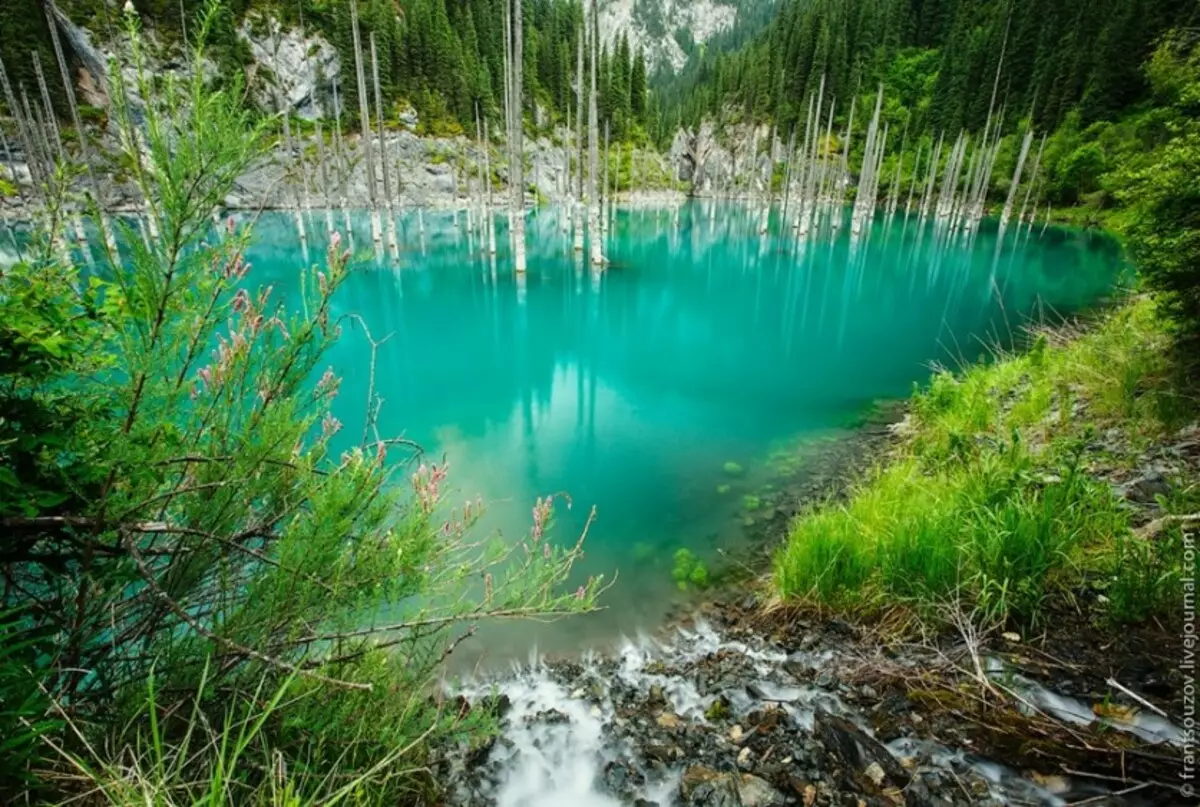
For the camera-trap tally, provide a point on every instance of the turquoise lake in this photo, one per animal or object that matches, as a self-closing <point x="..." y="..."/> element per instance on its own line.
<point x="703" y="343"/>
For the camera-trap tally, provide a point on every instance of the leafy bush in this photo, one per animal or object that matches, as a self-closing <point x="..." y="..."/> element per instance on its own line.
<point x="1165" y="231"/>
<point x="173" y="505"/>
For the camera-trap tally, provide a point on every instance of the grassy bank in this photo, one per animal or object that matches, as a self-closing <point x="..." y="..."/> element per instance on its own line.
<point x="1002" y="494"/>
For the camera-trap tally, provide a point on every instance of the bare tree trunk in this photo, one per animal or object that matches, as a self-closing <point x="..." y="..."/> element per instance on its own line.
<point x="577" y="208"/>
<point x="324" y="174"/>
<point x="8" y="158"/>
<point x="1016" y="180"/>
<point x="287" y="142"/>
<point x="48" y="106"/>
<point x="383" y="159"/>
<point x="605" y="199"/>
<point x="516" y="139"/>
<point x="340" y="160"/>
<point x="487" y="195"/>
<point x="84" y="151"/>
<point x="597" y="253"/>
<point x="364" y="112"/>
<point x="24" y="126"/>
<point x="1037" y="161"/>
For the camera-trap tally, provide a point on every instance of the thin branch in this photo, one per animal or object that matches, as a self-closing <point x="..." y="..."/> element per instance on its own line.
<point x="178" y="610"/>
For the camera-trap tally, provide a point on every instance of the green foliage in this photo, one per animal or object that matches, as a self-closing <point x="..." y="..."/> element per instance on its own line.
<point x="1163" y="194"/>
<point x="173" y="754"/>
<point x="25" y="714"/>
<point x="989" y="504"/>
<point x="940" y="57"/>
<point x="732" y="468"/>
<point x="175" y="507"/>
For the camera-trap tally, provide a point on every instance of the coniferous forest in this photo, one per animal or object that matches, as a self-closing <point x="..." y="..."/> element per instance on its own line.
<point x="444" y="57"/>
<point x="938" y="60"/>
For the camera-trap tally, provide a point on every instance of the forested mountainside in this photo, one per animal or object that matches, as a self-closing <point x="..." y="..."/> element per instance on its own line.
<point x="443" y="57"/>
<point x="938" y="59"/>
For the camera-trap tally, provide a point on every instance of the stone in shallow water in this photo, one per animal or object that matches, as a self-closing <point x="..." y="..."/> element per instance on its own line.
<point x="755" y="792"/>
<point x="704" y="787"/>
<point x="669" y="720"/>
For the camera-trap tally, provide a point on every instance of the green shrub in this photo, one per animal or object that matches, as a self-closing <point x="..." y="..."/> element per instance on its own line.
<point x="175" y="507"/>
<point x="1164" y="234"/>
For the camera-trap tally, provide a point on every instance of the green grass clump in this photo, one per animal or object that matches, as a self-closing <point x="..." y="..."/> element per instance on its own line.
<point x="988" y="500"/>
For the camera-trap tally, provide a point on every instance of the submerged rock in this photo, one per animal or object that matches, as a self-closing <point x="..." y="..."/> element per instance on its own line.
<point x="756" y="792"/>
<point x="704" y="787"/>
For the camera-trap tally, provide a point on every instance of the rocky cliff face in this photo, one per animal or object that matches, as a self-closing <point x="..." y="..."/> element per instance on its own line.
<point x="662" y="28"/>
<point x="290" y="69"/>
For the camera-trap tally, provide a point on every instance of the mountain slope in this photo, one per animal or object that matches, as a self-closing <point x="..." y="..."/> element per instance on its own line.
<point x="672" y="31"/>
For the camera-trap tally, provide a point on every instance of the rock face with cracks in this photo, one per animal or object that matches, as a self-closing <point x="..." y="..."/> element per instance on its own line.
<point x="291" y="70"/>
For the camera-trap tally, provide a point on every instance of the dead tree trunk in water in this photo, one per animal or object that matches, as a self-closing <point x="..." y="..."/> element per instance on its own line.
<point x="577" y="207"/>
<point x="516" y="136"/>
<point x="383" y="161"/>
<point x="597" y="253"/>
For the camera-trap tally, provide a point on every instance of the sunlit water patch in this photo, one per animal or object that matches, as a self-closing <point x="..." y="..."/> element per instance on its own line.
<point x="658" y="389"/>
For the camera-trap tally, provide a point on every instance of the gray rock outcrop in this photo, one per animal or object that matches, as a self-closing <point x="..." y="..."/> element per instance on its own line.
<point x="291" y="68"/>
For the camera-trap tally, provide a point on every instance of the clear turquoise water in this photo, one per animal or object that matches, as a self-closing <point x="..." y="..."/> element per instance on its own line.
<point x="702" y="343"/>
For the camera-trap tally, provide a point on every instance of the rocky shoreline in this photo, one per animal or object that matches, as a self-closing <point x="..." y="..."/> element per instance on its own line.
<point x="743" y="702"/>
<point x="720" y="715"/>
